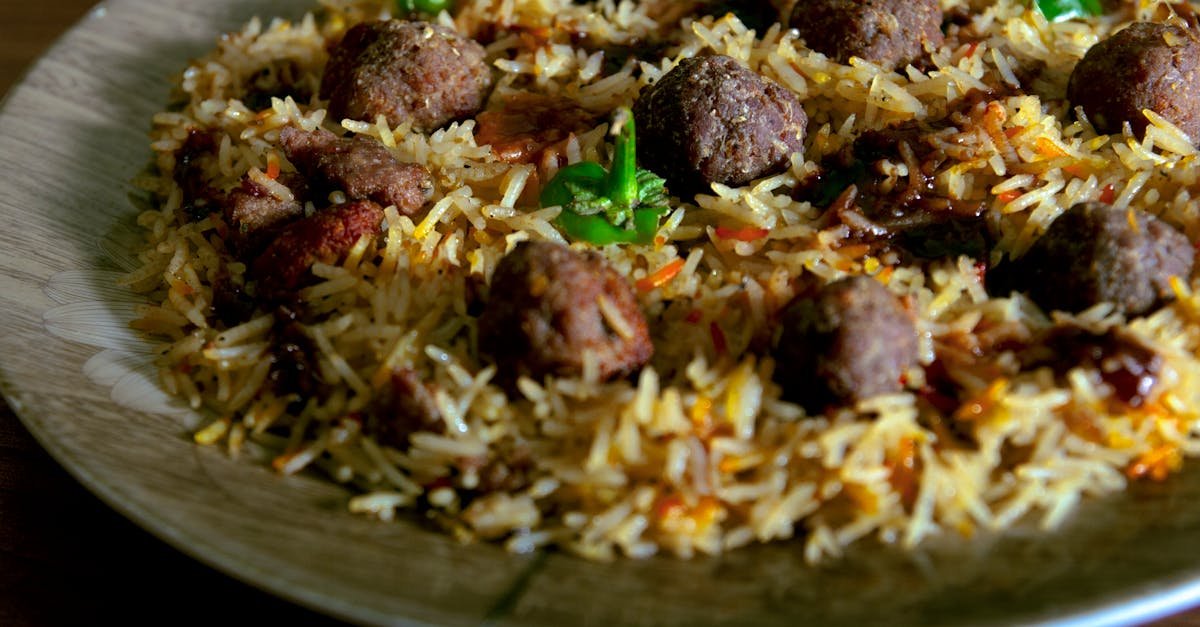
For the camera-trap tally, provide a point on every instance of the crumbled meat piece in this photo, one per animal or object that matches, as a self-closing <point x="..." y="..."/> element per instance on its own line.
<point x="406" y="71"/>
<point x="710" y="120"/>
<point x="548" y="305"/>
<point x="409" y="407"/>
<point x="851" y="341"/>
<point x="1144" y="66"/>
<point x="530" y="123"/>
<point x="1095" y="253"/>
<point x="360" y="166"/>
<point x="325" y="236"/>
<point x="889" y="33"/>
<point x="254" y="215"/>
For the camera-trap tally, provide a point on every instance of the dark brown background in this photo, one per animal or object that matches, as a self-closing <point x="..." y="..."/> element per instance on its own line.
<point x="65" y="557"/>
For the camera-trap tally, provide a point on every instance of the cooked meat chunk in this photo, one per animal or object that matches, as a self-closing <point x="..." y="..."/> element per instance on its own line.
<point x="254" y="215"/>
<point x="324" y="236"/>
<point x="1095" y="253"/>
<point x="410" y="406"/>
<point x="406" y="71"/>
<point x="529" y="124"/>
<point x="889" y="33"/>
<point x="851" y="341"/>
<point x="360" y="166"/>
<point x="859" y="187"/>
<point x="1144" y="66"/>
<point x="548" y="305"/>
<point x="710" y="120"/>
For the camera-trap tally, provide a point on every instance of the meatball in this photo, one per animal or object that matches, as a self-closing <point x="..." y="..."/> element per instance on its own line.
<point x="1145" y="66"/>
<point x="549" y="304"/>
<point x="710" y="120"/>
<point x="324" y="236"/>
<point x="360" y="166"/>
<point x="1095" y="253"/>
<point x="851" y="341"/>
<point x="406" y="71"/>
<point x="889" y="33"/>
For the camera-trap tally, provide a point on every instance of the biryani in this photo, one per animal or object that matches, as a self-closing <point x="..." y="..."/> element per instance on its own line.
<point x="634" y="278"/>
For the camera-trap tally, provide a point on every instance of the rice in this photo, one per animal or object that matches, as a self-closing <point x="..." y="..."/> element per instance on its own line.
<point x="701" y="453"/>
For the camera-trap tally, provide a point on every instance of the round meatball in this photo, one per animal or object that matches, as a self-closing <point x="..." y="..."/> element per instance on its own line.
<point x="1096" y="253"/>
<point x="1145" y="66"/>
<point x="851" y="341"/>
<point x="406" y="71"/>
<point x="711" y="120"/>
<point x="889" y="33"/>
<point x="548" y="305"/>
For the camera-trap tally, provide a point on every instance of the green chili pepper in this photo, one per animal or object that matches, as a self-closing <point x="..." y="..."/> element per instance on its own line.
<point x="1062" y="10"/>
<point x="605" y="207"/>
<point x="428" y="7"/>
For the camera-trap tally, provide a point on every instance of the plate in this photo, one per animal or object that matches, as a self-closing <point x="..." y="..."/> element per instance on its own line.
<point x="73" y="134"/>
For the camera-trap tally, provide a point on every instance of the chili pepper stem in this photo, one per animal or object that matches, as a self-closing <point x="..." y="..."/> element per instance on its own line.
<point x="622" y="186"/>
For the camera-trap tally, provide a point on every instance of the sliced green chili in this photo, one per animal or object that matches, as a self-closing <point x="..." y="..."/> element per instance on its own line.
<point x="428" y="7"/>
<point x="1062" y="10"/>
<point x="621" y="205"/>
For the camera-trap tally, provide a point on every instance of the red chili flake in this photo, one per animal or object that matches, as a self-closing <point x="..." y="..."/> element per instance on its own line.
<point x="660" y="277"/>
<point x="440" y="482"/>
<point x="980" y="271"/>
<point x="972" y="48"/>
<point x="668" y="506"/>
<point x="694" y="316"/>
<point x="718" y="338"/>
<point x="744" y="234"/>
<point x="1108" y="194"/>
<point x="272" y="167"/>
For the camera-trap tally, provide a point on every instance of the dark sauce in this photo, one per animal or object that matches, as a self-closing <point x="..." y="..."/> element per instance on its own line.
<point x="199" y="198"/>
<point x="1126" y="364"/>
<point x="906" y="213"/>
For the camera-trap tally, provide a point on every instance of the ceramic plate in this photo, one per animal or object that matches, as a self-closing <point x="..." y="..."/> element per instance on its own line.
<point x="73" y="134"/>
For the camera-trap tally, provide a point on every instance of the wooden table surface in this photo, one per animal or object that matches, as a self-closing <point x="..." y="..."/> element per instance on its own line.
<point x="65" y="557"/>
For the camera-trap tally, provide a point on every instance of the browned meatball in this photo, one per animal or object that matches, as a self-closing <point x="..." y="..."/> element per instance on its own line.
<point x="406" y="71"/>
<point x="324" y="236"/>
<point x="889" y="33"/>
<point x="360" y="166"/>
<point x="1095" y="253"/>
<point x="711" y="120"/>
<point x="851" y="341"/>
<point x="549" y="304"/>
<point x="1145" y="66"/>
